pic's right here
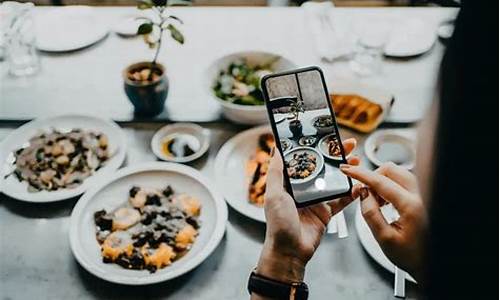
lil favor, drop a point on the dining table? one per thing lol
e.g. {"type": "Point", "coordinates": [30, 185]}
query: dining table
{"type": "Point", "coordinates": [35, 257]}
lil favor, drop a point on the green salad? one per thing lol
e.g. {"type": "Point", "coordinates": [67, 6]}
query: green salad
{"type": "Point", "coordinates": [240, 83]}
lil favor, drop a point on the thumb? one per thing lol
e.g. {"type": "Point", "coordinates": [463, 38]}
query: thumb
{"type": "Point", "coordinates": [274, 181]}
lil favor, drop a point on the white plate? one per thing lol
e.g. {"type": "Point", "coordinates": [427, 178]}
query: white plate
{"type": "Point", "coordinates": [201, 134]}
{"type": "Point", "coordinates": [404, 138]}
{"type": "Point", "coordinates": [410, 38]}
{"type": "Point", "coordinates": [113, 192]}
{"type": "Point", "coordinates": [370, 244]}
{"type": "Point", "coordinates": [319, 163]}
{"type": "Point", "coordinates": [68, 28]}
{"type": "Point", "coordinates": [323, 149]}
{"type": "Point", "coordinates": [19, 190]}
{"type": "Point", "coordinates": [230, 171]}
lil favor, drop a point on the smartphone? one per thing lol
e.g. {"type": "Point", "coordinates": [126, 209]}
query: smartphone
{"type": "Point", "coordinates": [306, 134]}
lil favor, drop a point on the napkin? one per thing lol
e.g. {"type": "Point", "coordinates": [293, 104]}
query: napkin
{"type": "Point", "coordinates": [330, 42]}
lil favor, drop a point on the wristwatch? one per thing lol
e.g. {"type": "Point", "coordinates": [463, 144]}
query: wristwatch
{"type": "Point", "coordinates": [274, 289]}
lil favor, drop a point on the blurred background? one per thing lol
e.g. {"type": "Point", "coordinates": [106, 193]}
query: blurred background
{"type": "Point", "coordinates": [366, 3]}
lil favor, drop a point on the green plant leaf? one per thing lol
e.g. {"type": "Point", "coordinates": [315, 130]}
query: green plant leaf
{"type": "Point", "coordinates": [144, 4]}
{"type": "Point", "coordinates": [179, 2]}
{"type": "Point", "coordinates": [145, 28]}
{"type": "Point", "coordinates": [175, 18]}
{"type": "Point", "coordinates": [176, 34]}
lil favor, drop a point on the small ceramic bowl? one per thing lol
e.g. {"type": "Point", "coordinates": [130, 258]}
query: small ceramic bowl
{"type": "Point", "coordinates": [196, 137]}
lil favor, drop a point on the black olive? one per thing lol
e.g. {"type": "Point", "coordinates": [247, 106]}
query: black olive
{"type": "Point", "coordinates": [168, 191]}
{"type": "Point", "coordinates": [133, 191]}
{"type": "Point", "coordinates": [153, 199]}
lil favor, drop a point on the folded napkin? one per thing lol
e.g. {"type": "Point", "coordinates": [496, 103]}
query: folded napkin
{"type": "Point", "coordinates": [330, 41]}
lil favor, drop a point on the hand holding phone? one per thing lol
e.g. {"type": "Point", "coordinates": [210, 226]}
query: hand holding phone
{"type": "Point", "coordinates": [307, 136]}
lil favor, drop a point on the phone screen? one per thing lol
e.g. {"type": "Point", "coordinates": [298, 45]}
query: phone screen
{"type": "Point", "coordinates": [304, 126]}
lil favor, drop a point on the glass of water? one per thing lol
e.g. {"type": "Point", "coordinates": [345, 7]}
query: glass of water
{"type": "Point", "coordinates": [372, 37]}
{"type": "Point", "coordinates": [21, 54]}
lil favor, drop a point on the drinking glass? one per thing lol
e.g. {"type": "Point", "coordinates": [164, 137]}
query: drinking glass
{"type": "Point", "coordinates": [369, 50]}
{"type": "Point", "coordinates": [21, 53]}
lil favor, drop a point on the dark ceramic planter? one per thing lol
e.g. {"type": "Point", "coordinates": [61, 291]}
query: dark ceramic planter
{"type": "Point", "coordinates": [148, 98]}
{"type": "Point", "coordinates": [295, 127]}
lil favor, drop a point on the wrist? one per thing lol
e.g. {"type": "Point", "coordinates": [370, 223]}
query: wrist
{"type": "Point", "coordinates": [281, 267]}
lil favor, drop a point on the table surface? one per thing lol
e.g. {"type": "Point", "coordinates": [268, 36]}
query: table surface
{"type": "Point", "coordinates": [65, 80]}
{"type": "Point", "coordinates": [35, 258]}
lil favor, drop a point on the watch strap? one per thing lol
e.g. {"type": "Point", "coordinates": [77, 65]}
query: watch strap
{"type": "Point", "coordinates": [271, 288]}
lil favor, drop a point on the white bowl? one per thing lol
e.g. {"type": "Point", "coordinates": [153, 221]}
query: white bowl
{"type": "Point", "coordinates": [201, 134]}
{"type": "Point", "coordinates": [243, 114]}
{"type": "Point", "coordinates": [112, 192]}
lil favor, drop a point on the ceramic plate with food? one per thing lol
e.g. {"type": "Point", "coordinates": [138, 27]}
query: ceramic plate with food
{"type": "Point", "coordinates": [147, 224]}
{"type": "Point", "coordinates": [303, 164]}
{"type": "Point", "coordinates": [180, 142]}
{"type": "Point", "coordinates": [60, 157]}
{"type": "Point", "coordinates": [286, 144]}
{"type": "Point", "coordinates": [358, 106]}
{"type": "Point", "coordinates": [329, 146]}
{"type": "Point", "coordinates": [234, 82]}
{"type": "Point", "coordinates": [241, 169]}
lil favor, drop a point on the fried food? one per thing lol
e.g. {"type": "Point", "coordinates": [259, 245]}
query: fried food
{"type": "Point", "coordinates": [257, 167]}
{"type": "Point", "coordinates": [56, 160]}
{"type": "Point", "coordinates": [356, 112]}
{"type": "Point", "coordinates": [150, 231]}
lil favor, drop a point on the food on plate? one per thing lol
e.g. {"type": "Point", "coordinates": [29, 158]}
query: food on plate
{"type": "Point", "coordinates": [323, 121]}
{"type": "Point", "coordinates": [55, 160]}
{"type": "Point", "coordinates": [301, 165]}
{"type": "Point", "coordinates": [150, 231]}
{"type": "Point", "coordinates": [333, 146]}
{"type": "Point", "coordinates": [180, 145]}
{"type": "Point", "coordinates": [239, 83]}
{"type": "Point", "coordinates": [257, 167]}
{"type": "Point", "coordinates": [356, 112]}
{"type": "Point", "coordinates": [286, 144]}
{"type": "Point", "coordinates": [308, 140]}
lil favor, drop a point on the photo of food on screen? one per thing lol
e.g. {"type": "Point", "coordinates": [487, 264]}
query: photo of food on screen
{"type": "Point", "coordinates": [307, 134]}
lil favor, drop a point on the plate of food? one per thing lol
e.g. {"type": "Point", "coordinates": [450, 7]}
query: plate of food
{"type": "Point", "coordinates": [329, 146]}
{"type": "Point", "coordinates": [234, 82]}
{"type": "Point", "coordinates": [147, 224]}
{"type": "Point", "coordinates": [286, 144]}
{"type": "Point", "coordinates": [241, 170]}
{"type": "Point", "coordinates": [303, 164]}
{"type": "Point", "coordinates": [323, 124]}
{"type": "Point", "coordinates": [60, 157]}
{"type": "Point", "coordinates": [307, 140]}
{"type": "Point", "coordinates": [359, 107]}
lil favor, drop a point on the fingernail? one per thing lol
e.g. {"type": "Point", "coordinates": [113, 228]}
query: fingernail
{"type": "Point", "coordinates": [272, 151]}
{"type": "Point", "coordinates": [344, 167]}
{"type": "Point", "coordinates": [363, 193]}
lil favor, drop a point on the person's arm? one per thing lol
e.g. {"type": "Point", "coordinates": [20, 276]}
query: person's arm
{"type": "Point", "coordinates": [292, 235]}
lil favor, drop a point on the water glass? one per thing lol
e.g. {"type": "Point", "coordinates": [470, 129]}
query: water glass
{"type": "Point", "coordinates": [21, 54]}
{"type": "Point", "coordinates": [369, 50]}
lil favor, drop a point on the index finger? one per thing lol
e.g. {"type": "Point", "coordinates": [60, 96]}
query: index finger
{"type": "Point", "coordinates": [400, 175]}
{"type": "Point", "coordinates": [384, 186]}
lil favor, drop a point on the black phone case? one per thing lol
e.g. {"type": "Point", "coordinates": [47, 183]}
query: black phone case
{"type": "Point", "coordinates": [288, 185]}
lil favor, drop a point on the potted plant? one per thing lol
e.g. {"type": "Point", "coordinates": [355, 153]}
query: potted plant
{"type": "Point", "coordinates": [296, 107]}
{"type": "Point", "coordinates": [146, 83]}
